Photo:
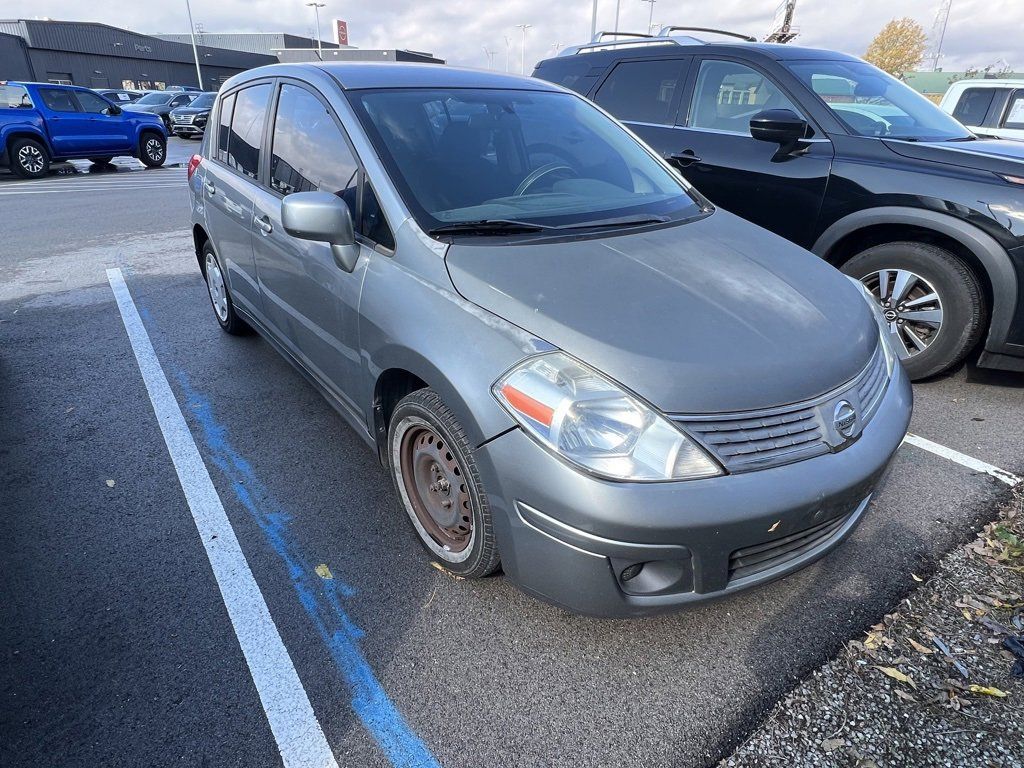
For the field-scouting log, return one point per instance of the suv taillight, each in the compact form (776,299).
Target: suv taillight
(193,163)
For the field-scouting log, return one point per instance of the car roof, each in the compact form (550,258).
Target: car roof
(977,82)
(359,75)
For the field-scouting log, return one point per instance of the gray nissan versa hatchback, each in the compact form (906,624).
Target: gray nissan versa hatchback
(572,364)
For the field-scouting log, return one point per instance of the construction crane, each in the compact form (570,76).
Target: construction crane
(938,34)
(783,30)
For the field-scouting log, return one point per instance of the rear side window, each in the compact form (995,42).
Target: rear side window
(227,107)
(14,96)
(1015,112)
(246,134)
(974,105)
(642,91)
(58,100)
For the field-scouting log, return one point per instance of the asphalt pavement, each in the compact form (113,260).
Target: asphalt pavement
(117,645)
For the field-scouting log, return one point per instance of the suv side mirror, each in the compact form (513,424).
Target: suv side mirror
(322,217)
(779,126)
(113,109)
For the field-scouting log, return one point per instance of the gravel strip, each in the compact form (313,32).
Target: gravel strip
(932,684)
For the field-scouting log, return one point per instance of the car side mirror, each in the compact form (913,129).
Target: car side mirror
(778,126)
(113,109)
(322,217)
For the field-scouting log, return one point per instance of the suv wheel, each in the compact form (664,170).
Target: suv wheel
(933,302)
(220,299)
(29,158)
(438,483)
(152,150)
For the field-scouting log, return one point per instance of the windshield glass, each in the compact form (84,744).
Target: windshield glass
(157,98)
(871,103)
(204,100)
(551,159)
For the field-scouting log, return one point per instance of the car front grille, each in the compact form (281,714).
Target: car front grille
(183,119)
(751,561)
(743,442)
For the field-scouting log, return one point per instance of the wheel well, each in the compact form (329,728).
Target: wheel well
(25,135)
(200,238)
(859,240)
(392,385)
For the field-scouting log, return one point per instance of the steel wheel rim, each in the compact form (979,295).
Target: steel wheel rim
(154,150)
(911,306)
(436,491)
(31,159)
(218,291)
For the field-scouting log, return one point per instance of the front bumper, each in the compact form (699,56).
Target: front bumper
(567,537)
(187,130)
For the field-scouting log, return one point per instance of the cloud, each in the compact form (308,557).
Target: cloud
(980,32)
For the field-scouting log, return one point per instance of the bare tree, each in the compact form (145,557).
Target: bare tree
(899,47)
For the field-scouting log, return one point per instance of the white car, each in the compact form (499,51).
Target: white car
(988,107)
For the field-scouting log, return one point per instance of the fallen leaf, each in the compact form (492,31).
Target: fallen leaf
(323,571)
(831,745)
(988,691)
(904,695)
(916,578)
(918,647)
(895,674)
(110,483)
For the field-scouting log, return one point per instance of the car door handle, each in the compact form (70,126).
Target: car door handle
(684,158)
(210,189)
(264,224)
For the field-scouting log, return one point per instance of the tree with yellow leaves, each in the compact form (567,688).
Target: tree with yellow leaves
(899,47)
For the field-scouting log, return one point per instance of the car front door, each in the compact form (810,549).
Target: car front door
(310,301)
(109,132)
(229,185)
(782,192)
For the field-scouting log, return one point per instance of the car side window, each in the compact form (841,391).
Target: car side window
(58,100)
(91,103)
(727,94)
(309,151)
(973,105)
(181,101)
(372,224)
(642,91)
(246,133)
(227,107)
(1015,112)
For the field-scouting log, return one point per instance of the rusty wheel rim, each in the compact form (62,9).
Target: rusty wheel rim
(437,489)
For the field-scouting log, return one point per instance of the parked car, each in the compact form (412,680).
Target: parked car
(571,363)
(119,96)
(41,123)
(992,108)
(161,103)
(835,155)
(188,88)
(190,121)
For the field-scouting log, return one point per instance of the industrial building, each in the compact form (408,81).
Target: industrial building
(267,43)
(101,56)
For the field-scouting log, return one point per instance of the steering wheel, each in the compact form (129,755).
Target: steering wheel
(861,123)
(539,173)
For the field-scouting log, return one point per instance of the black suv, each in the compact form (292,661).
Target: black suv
(839,157)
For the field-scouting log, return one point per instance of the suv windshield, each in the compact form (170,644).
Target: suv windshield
(157,98)
(203,101)
(871,103)
(516,157)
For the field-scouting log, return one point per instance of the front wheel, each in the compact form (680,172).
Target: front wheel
(439,485)
(29,158)
(152,150)
(933,303)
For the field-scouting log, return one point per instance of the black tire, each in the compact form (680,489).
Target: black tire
(28,158)
(227,318)
(960,298)
(100,160)
(152,149)
(417,416)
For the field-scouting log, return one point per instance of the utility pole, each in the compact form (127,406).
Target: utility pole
(593,21)
(195,51)
(319,43)
(617,4)
(650,16)
(523,27)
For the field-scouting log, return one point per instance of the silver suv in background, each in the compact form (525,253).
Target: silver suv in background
(571,364)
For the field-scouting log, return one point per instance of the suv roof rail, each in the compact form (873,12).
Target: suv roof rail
(666,31)
(601,35)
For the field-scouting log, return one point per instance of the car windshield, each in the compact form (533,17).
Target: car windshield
(871,103)
(204,100)
(531,158)
(157,98)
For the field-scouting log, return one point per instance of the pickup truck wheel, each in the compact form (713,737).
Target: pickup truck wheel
(220,298)
(152,150)
(439,486)
(933,301)
(29,158)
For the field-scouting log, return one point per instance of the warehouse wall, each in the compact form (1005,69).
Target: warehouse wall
(14,63)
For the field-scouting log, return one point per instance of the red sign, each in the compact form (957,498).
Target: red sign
(341,31)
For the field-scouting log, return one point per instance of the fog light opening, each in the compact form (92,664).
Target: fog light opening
(631,571)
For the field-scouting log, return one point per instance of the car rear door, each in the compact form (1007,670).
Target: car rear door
(228,187)
(109,133)
(67,125)
(750,178)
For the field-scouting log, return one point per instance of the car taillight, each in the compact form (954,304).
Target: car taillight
(193,163)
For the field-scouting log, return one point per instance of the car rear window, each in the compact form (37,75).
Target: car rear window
(58,100)
(14,96)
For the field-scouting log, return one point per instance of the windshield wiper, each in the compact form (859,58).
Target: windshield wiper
(486,227)
(619,221)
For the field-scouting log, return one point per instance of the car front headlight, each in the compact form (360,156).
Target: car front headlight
(583,417)
(891,357)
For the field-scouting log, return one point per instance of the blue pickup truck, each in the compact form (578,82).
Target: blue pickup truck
(41,123)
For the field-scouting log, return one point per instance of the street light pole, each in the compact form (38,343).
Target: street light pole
(524,27)
(508,51)
(617,4)
(319,43)
(650,16)
(593,21)
(195,51)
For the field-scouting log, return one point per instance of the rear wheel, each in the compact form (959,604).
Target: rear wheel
(932,301)
(29,158)
(220,299)
(438,483)
(152,149)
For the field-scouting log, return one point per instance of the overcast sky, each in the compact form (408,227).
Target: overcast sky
(980,32)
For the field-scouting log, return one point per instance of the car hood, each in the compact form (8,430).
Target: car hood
(150,108)
(995,155)
(191,111)
(713,316)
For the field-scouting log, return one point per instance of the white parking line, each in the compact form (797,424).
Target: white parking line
(78,188)
(963,459)
(299,736)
